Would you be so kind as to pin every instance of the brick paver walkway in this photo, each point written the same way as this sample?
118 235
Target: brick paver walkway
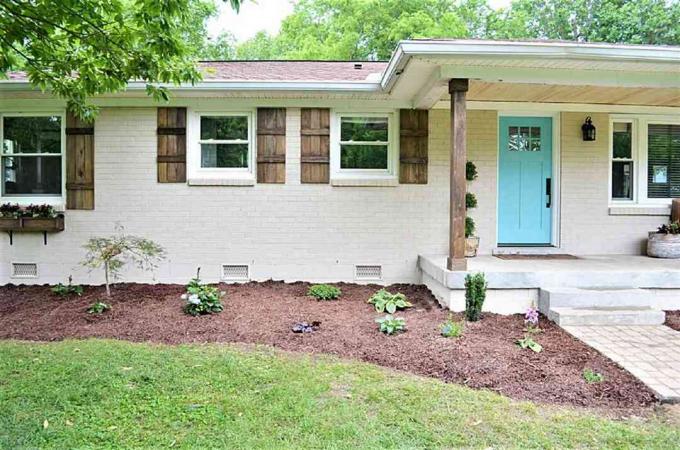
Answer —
651 353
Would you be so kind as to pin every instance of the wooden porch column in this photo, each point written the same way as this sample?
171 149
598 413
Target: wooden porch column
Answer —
458 88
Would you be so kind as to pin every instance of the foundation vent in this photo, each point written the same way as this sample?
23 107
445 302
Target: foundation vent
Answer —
235 272
24 270
366 272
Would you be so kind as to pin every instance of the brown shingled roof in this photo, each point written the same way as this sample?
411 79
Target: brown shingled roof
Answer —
278 70
291 70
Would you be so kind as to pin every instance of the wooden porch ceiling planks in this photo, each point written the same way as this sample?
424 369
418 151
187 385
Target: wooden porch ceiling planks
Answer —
547 93
456 260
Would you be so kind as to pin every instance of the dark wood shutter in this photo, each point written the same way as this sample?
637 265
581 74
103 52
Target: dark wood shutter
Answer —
171 157
79 163
413 146
271 145
315 145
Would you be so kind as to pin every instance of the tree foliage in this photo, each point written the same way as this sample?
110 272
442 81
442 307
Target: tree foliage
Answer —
82 48
371 29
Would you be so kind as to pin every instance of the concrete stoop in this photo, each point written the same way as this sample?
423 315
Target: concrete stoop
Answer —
598 306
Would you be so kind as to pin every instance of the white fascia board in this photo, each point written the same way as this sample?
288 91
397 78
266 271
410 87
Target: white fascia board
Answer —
554 50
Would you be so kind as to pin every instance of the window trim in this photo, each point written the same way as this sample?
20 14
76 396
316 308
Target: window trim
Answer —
639 156
239 174
57 201
392 171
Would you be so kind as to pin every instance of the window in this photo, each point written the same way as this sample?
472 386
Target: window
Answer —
645 159
224 142
363 145
31 156
524 139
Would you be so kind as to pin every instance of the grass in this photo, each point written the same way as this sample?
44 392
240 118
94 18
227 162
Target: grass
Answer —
113 394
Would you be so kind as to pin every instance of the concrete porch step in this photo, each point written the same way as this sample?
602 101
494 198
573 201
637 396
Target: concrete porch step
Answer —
606 316
592 297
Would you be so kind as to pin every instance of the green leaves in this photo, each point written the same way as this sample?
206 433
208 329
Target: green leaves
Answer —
391 325
528 342
451 328
324 292
98 308
80 49
592 377
201 298
475 294
384 301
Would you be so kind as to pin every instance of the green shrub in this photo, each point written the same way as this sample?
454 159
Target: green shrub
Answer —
451 328
98 308
201 298
64 290
391 325
469 227
470 200
470 171
528 342
384 301
592 377
475 293
324 292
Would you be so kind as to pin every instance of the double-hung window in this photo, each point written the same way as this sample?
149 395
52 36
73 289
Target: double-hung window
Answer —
645 159
32 157
222 147
363 145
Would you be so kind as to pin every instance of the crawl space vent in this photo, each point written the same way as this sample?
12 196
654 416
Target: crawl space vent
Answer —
24 270
235 272
365 272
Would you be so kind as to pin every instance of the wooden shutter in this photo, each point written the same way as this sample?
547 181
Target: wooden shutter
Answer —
171 157
315 145
413 146
79 163
271 145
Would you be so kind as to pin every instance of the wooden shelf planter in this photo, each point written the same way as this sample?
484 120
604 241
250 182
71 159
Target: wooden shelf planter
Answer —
42 225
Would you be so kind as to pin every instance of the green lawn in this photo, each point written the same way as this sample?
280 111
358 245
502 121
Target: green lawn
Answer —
110 394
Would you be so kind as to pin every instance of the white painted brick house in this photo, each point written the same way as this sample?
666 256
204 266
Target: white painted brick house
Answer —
271 196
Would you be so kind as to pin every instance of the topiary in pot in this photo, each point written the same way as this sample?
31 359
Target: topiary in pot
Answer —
471 241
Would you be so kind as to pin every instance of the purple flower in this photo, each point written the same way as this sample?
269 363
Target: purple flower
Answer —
531 317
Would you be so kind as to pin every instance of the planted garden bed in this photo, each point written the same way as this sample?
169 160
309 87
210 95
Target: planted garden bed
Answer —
485 356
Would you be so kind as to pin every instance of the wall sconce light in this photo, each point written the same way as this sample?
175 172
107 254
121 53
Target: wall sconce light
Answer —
588 130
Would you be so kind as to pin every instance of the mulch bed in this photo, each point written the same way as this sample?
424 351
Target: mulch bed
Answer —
263 313
673 320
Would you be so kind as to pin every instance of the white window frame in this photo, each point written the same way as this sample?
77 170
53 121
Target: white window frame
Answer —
639 155
391 173
237 174
57 201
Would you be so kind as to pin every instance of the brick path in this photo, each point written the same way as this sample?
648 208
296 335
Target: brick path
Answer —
650 353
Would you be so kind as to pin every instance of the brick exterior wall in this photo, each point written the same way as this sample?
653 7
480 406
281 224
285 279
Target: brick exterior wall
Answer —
310 232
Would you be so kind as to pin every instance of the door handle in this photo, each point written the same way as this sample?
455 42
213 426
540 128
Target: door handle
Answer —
548 192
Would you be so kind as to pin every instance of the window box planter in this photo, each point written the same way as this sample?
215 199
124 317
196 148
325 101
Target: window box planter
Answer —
43 224
9 224
660 245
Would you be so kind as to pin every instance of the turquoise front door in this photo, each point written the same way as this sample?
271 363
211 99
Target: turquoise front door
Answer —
525 181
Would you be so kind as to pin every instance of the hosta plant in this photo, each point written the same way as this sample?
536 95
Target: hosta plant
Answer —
98 308
592 377
324 292
202 298
528 343
64 290
451 328
391 325
384 301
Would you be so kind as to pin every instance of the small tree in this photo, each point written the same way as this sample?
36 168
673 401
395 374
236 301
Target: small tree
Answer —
475 293
113 252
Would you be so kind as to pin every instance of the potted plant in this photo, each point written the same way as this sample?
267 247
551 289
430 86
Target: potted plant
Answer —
9 217
41 218
664 242
471 241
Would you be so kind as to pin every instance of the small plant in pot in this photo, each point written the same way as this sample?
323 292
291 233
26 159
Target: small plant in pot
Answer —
665 241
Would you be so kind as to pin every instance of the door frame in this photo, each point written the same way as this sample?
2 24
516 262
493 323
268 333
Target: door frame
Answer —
556 167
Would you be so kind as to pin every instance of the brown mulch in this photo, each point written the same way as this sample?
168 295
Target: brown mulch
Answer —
263 313
673 320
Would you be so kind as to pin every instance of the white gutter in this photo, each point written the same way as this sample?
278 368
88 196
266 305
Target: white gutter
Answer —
540 50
